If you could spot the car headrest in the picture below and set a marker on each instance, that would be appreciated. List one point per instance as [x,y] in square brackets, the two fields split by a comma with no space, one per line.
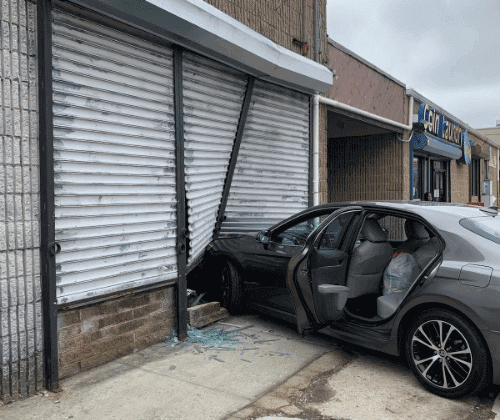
[372,231]
[415,230]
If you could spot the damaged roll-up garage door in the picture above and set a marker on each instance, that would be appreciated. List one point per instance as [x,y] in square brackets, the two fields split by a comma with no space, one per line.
[115,197]
[213,98]
[271,179]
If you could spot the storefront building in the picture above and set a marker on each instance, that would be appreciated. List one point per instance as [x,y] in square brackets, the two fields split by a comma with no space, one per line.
[493,133]
[365,116]
[386,142]
[451,160]
[132,137]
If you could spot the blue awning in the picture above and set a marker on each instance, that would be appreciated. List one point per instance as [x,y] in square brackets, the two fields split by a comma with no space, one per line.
[432,144]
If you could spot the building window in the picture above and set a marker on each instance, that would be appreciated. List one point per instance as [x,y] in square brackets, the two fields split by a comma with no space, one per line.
[474,182]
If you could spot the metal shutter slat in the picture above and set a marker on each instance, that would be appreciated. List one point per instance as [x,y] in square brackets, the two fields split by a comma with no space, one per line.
[271,177]
[114,160]
[213,100]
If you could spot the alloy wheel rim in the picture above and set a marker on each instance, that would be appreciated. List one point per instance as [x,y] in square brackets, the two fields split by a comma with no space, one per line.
[441,354]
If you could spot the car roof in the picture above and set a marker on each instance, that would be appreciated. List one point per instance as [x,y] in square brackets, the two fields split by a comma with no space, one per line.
[423,208]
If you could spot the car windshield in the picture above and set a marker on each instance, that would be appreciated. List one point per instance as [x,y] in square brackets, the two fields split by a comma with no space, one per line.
[487,227]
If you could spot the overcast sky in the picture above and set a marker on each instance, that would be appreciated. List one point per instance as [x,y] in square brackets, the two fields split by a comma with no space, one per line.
[447,50]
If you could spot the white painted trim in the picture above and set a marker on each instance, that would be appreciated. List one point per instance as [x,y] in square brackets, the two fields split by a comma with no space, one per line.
[315,151]
[204,28]
[336,104]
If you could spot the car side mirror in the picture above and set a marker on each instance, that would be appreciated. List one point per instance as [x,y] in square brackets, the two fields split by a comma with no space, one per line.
[263,238]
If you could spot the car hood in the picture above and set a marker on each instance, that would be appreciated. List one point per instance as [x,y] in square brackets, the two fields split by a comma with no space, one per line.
[234,243]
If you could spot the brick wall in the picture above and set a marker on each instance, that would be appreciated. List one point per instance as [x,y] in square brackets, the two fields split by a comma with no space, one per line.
[363,86]
[459,182]
[365,168]
[280,21]
[461,177]
[323,155]
[21,362]
[95,334]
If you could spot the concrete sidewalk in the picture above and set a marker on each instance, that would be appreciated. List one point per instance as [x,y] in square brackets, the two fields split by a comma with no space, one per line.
[246,368]
[209,378]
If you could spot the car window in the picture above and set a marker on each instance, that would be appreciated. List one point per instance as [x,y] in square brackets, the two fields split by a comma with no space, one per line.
[486,227]
[394,226]
[296,235]
[335,232]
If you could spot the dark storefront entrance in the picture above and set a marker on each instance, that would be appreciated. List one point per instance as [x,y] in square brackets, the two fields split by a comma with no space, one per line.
[431,175]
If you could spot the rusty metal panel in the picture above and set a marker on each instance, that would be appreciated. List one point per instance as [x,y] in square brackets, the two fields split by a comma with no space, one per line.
[363,86]
[271,176]
[114,163]
[213,97]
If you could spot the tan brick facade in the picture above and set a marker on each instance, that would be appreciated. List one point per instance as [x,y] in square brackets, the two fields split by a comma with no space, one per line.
[363,163]
[461,173]
[459,182]
[365,168]
[372,167]
[323,155]
[281,22]
[491,168]
[95,334]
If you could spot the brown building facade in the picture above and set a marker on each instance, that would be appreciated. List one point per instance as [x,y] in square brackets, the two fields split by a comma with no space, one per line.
[385,142]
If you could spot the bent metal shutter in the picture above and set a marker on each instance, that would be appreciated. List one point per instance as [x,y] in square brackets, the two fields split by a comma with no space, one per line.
[271,179]
[213,98]
[115,203]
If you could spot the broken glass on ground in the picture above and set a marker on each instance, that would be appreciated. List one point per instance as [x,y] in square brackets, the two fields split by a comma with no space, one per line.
[214,341]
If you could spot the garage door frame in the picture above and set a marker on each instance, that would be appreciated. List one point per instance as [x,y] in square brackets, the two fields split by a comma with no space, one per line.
[48,245]
[49,248]
[47,204]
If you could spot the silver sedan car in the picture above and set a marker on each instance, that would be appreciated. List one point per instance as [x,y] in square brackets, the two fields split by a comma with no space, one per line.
[421,280]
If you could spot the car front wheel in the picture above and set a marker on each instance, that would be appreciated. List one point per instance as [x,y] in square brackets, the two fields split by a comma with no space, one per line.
[447,355]
[231,288]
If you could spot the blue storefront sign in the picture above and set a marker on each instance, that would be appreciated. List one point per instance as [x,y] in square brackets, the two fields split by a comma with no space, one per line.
[466,149]
[442,135]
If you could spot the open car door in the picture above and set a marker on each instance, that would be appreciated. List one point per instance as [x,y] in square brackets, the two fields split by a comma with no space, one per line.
[317,276]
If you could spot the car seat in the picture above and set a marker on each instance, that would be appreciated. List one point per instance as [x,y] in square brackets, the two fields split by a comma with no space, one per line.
[369,260]
[416,235]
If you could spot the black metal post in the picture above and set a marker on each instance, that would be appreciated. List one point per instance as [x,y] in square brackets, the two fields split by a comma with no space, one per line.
[311,147]
[181,197]
[47,242]
[234,154]
[411,171]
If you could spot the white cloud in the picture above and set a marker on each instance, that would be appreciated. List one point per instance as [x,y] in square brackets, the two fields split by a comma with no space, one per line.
[441,48]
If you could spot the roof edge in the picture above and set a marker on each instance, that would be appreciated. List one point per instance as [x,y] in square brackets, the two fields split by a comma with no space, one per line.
[200,27]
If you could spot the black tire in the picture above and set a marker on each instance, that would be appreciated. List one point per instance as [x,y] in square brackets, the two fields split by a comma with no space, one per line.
[447,355]
[231,296]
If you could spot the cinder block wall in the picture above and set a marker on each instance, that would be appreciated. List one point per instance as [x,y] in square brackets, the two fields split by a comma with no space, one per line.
[21,335]
[95,334]
[281,21]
